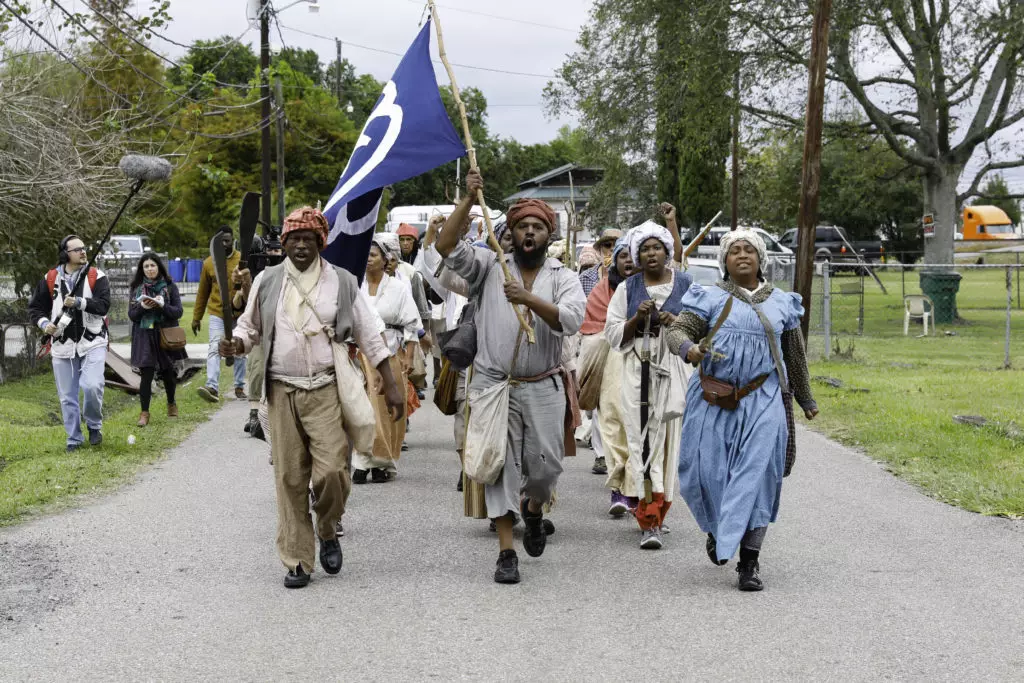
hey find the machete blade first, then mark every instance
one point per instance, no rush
(248, 218)
(220, 267)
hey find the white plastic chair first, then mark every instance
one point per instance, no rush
(918, 307)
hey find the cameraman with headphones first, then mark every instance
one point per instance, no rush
(78, 334)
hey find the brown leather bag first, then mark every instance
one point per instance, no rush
(725, 395)
(172, 338)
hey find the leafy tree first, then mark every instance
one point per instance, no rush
(303, 61)
(227, 61)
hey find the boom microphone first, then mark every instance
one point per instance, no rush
(145, 168)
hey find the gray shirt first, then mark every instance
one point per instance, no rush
(496, 323)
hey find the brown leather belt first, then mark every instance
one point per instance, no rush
(724, 394)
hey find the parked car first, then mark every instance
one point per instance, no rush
(831, 243)
(125, 250)
(704, 271)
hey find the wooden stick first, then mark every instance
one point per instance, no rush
(492, 240)
(700, 237)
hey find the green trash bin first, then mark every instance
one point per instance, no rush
(942, 286)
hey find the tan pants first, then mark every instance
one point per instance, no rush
(612, 427)
(309, 446)
(387, 444)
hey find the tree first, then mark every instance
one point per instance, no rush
(997, 193)
(936, 80)
(226, 60)
(303, 61)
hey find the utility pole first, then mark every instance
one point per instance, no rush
(265, 189)
(811, 177)
(337, 76)
(736, 151)
(280, 151)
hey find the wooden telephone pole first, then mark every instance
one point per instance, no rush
(811, 177)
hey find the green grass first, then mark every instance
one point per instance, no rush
(37, 475)
(915, 386)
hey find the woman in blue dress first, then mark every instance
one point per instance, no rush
(732, 459)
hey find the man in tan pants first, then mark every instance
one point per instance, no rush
(308, 443)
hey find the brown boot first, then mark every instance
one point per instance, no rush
(143, 418)
(172, 410)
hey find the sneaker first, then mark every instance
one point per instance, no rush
(535, 537)
(600, 467)
(619, 506)
(95, 437)
(549, 527)
(650, 540)
(750, 576)
(405, 447)
(712, 547)
(633, 503)
(240, 394)
(508, 567)
(72, 447)
(380, 475)
(359, 476)
(253, 419)
(664, 528)
(208, 394)
(330, 556)
(296, 578)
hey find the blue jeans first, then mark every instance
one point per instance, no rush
(213, 358)
(83, 373)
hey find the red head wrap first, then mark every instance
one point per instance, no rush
(306, 218)
(406, 230)
(534, 208)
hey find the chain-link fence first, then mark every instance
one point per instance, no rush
(893, 301)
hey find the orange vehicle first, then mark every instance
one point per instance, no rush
(987, 223)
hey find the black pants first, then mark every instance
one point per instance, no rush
(146, 390)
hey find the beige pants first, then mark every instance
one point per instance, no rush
(612, 427)
(387, 444)
(309, 448)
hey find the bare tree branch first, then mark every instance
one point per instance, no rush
(973, 190)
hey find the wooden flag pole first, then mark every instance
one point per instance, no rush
(492, 240)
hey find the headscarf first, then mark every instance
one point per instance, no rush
(388, 244)
(406, 230)
(614, 276)
(500, 228)
(589, 257)
(535, 208)
(556, 250)
(646, 231)
(306, 218)
(750, 237)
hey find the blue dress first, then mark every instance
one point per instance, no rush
(731, 461)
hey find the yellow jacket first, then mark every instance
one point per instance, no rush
(208, 294)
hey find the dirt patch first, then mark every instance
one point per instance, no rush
(34, 584)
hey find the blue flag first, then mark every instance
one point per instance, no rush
(408, 133)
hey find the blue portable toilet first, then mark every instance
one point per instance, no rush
(194, 270)
(176, 268)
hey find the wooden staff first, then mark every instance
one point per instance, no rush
(492, 240)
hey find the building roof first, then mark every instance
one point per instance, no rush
(550, 194)
(561, 170)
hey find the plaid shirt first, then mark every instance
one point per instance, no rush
(589, 279)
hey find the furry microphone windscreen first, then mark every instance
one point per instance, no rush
(138, 167)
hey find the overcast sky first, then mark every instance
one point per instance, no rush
(514, 101)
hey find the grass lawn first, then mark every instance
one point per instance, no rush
(35, 472)
(915, 386)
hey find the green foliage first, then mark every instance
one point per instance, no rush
(227, 62)
(997, 193)
(303, 61)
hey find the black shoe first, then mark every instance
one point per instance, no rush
(712, 548)
(252, 423)
(493, 527)
(330, 556)
(750, 579)
(535, 538)
(72, 447)
(257, 432)
(296, 578)
(420, 395)
(600, 466)
(381, 475)
(508, 567)
(549, 527)
(458, 487)
(95, 437)
(339, 530)
(405, 447)
(359, 476)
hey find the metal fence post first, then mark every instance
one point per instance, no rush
(826, 306)
(1018, 278)
(1009, 307)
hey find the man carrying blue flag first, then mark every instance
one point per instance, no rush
(531, 374)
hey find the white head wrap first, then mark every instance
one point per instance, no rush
(389, 245)
(644, 232)
(556, 250)
(750, 237)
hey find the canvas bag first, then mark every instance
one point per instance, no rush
(593, 357)
(487, 433)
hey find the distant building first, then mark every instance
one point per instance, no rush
(553, 188)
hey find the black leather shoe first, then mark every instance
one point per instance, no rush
(72, 447)
(381, 475)
(95, 437)
(712, 547)
(508, 567)
(549, 527)
(296, 578)
(330, 556)
(359, 476)
(750, 576)
(535, 538)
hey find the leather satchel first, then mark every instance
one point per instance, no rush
(172, 338)
(724, 394)
(458, 346)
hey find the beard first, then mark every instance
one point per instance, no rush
(530, 260)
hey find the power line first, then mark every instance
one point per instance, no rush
(193, 46)
(495, 16)
(399, 54)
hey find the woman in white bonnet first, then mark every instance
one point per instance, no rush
(733, 453)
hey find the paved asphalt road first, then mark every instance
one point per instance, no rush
(175, 578)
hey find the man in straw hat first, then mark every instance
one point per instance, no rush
(529, 375)
(309, 445)
(604, 245)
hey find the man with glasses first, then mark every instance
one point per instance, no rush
(73, 318)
